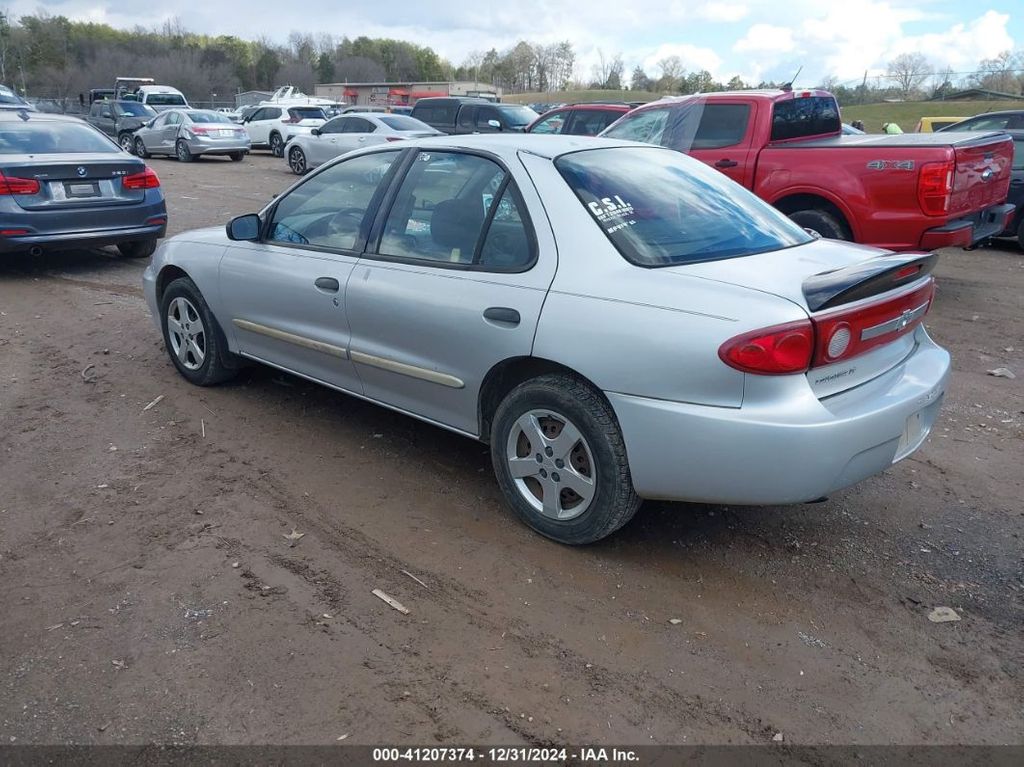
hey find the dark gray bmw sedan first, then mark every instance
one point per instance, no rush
(63, 184)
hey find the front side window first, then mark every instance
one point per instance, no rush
(328, 210)
(516, 116)
(457, 209)
(647, 125)
(483, 116)
(662, 209)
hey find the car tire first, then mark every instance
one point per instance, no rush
(237, 156)
(137, 248)
(140, 149)
(181, 151)
(592, 458)
(821, 222)
(297, 161)
(276, 145)
(127, 142)
(205, 360)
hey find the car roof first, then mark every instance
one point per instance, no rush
(508, 145)
(15, 115)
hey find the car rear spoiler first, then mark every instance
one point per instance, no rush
(865, 279)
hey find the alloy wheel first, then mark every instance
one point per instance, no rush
(186, 333)
(297, 161)
(551, 464)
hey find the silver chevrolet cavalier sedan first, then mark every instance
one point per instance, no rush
(615, 320)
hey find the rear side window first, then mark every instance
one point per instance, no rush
(662, 208)
(165, 99)
(42, 137)
(799, 117)
(1018, 154)
(590, 122)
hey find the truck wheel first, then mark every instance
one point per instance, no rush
(127, 142)
(822, 222)
(561, 461)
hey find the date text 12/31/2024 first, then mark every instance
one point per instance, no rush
(504, 754)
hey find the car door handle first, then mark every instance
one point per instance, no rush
(328, 284)
(502, 315)
(726, 164)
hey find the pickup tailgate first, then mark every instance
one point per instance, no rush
(982, 175)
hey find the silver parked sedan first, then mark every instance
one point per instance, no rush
(615, 320)
(308, 150)
(190, 133)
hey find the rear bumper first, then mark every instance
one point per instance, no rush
(964, 232)
(792, 447)
(218, 147)
(67, 240)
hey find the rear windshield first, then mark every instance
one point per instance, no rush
(662, 208)
(166, 99)
(799, 117)
(517, 115)
(401, 122)
(45, 137)
(307, 113)
(135, 109)
(207, 117)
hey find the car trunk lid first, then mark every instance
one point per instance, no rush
(91, 179)
(864, 304)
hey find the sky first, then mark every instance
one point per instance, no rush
(755, 39)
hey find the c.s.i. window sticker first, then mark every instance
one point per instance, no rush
(611, 212)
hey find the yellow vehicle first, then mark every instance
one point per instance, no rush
(932, 124)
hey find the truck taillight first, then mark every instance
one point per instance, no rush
(828, 338)
(935, 186)
(145, 180)
(12, 185)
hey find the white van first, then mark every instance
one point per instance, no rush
(161, 97)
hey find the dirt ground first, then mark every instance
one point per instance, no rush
(150, 594)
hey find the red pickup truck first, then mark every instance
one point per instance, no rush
(915, 191)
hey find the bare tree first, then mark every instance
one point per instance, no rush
(672, 72)
(1000, 73)
(909, 70)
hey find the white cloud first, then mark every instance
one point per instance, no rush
(766, 37)
(722, 11)
(694, 58)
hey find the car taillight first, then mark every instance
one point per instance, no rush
(145, 180)
(12, 185)
(935, 186)
(828, 338)
(778, 350)
(842, 334)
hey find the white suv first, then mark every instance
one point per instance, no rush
(269, 126)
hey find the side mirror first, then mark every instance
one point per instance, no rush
(314, 132)
(244, 228)
(494, 124)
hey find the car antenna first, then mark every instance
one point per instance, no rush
(787, 87)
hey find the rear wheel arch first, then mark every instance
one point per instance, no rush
(506, 375)
(795, 203)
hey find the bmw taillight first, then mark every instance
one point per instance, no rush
(830, 337)
(935, 187)
(145, 180)
(13, 185)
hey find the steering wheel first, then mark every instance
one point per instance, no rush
(355, 215)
